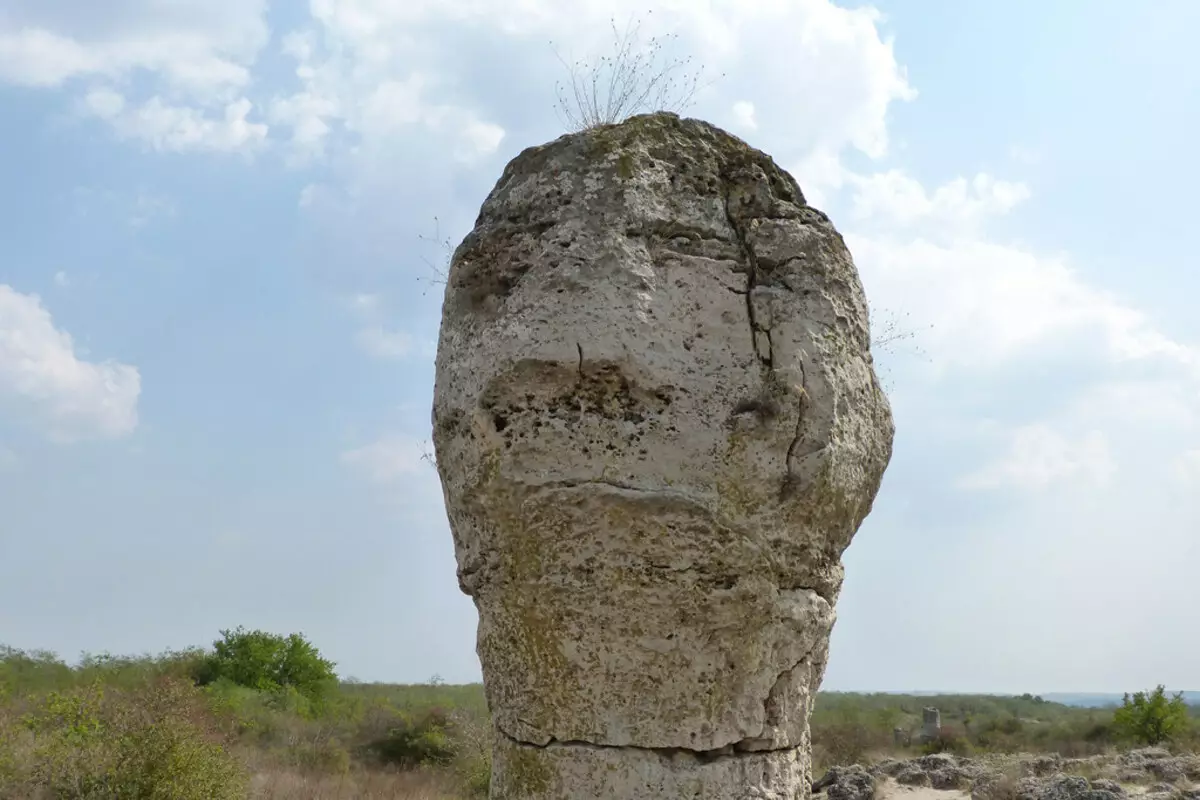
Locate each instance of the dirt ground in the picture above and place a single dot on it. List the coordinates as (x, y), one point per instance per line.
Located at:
(894, 791)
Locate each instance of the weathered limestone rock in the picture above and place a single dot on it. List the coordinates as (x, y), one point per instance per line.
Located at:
(657, 426)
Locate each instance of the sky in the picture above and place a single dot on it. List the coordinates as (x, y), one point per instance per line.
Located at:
(223, 223)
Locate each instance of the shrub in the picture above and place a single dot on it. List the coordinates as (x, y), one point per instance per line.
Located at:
(156, 742)
(14, 742)
(416, 740)
(1005, 785)
(322, 755)
(844, 743)
(472, 763)
(1150, 718)
(948, 740)
(38, 670)
(266, 662)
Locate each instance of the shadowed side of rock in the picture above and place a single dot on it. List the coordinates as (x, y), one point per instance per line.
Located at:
(658, 427)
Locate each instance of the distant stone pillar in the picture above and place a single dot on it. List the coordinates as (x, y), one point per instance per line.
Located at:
(931, 723)
(898, 736)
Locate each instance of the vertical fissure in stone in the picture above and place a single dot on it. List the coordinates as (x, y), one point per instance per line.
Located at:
(791, 480)
(751, 277)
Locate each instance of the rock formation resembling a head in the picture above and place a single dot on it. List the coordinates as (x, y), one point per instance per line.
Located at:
(657, 426)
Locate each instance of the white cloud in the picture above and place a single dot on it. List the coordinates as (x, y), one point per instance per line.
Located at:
(176, 127)
(1020, 154)
(379, 339)
(894, 197)
(202, 48)
(365, 67)
(743, 112)
(61, 280)
(136, 209)
(1186, 469)
(309, 195)
(366, 302)
(1082, 385)
(366, 71)
(392, 459)
(43, 377)
(1170, 402)
(148, 206)
(383, 343)
(990, 303)
(1133, 395)
(198, 57)
(352, 88)
(1039, 456)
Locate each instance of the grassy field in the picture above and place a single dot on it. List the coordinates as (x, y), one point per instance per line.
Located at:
(112, 726)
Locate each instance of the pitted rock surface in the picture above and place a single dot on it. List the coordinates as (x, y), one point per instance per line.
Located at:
(657, 426)
(847, 783)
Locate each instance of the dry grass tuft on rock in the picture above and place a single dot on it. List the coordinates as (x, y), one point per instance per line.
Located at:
(637, 77)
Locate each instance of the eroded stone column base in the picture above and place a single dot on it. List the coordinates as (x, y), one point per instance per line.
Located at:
(588, 772)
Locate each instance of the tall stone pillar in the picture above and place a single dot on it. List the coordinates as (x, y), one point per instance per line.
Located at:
(657, 426)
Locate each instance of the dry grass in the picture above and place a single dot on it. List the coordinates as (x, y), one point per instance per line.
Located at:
(636, 77)
(1005, 785)
(354, 785)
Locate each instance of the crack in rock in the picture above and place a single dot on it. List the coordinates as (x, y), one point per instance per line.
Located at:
(729, 751)
(751, 276)
(791, 480)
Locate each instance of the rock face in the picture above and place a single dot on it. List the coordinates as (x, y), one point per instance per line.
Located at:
(657, 427)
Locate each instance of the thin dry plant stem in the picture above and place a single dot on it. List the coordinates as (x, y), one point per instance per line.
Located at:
(440, 271)
(634, 79)
(891, 333)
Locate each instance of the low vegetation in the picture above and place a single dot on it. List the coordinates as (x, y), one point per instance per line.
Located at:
(258, 715)
(854, 728)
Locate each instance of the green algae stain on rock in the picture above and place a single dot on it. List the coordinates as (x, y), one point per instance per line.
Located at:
(625, 166)
(527, 774)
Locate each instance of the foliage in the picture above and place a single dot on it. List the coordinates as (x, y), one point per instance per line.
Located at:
(155, 742)
(108, 721)
(413, 740)
(949, 739)
(1150, 717)
(287, 666)
(472, 764)
(845, 734)
(57, 719)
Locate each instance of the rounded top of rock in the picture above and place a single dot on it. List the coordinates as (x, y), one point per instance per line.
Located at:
(662, 134)
(657, 175)
(665, 127)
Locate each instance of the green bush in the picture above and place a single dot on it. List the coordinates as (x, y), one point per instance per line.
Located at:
(415, 740)
(1150, 718)
(322, 755)
(13, 741)
(38, 670)
(472, 764)
(158, 742)
(948, 740)
(283, 665)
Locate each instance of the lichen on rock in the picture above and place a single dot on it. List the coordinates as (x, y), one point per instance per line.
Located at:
(658, 426)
